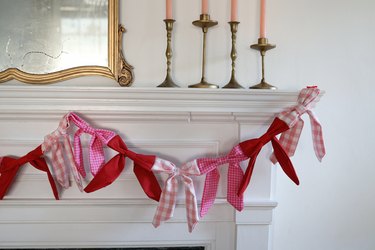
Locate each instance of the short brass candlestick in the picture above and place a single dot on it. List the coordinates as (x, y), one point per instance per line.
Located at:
(233, 84)
(204, 22)
(263, 46)
(168, 82)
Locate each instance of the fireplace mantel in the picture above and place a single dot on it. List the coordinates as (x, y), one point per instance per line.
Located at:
(144, 99)
(177, 124)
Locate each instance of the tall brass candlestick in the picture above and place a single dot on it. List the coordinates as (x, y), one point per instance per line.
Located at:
(262, 46)
(204, 22)
(233, 84)
(168, 82)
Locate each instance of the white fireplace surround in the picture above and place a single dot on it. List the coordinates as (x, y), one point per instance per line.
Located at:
(177, 124)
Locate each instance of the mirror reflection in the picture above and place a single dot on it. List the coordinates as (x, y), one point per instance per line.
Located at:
(45, 36)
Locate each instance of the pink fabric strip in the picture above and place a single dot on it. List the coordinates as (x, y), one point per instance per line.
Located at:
(235, 174)
(307, 99)
(168, 197)
(59, 144)
(99, 138)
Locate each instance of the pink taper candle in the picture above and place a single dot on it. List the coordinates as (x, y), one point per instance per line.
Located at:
(168, 14)
(234, 11)
(204, 6)
(262, 19)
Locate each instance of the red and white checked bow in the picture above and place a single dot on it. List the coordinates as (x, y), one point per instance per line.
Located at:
(307, 99)
(235, 174)
(58, 143)
(99, 138)
(168, 197)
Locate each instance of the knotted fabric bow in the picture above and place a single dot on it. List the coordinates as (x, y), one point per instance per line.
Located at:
(99, 137)
(251, 148)
(113, 168)
(307, 99)
(10, 166)
(209, 166)
(168, 197)
(58, 143)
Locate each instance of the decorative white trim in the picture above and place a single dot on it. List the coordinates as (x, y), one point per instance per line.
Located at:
(214, 232)
(109, 99)
(209, 245)
(256, 213)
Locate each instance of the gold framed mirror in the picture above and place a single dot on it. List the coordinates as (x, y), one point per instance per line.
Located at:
(48, 41)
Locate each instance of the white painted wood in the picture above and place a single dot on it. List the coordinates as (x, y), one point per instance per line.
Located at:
(176, 124)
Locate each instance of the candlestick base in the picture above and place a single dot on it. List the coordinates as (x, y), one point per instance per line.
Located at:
(204, 85)
(168, 83)
(233, 84)
(263, 85)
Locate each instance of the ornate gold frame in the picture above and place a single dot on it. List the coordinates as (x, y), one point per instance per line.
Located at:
(117, 69)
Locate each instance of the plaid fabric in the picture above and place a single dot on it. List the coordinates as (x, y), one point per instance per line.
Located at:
(59, 144)
(307, 99)
(168, 197)
(235, 175)
(99, 138)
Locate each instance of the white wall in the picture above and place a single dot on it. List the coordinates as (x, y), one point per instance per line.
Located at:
(327, 43)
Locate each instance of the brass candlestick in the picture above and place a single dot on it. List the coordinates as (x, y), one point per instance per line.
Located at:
(233, 84)
(263, 46)
(204, 22)
(168, 82)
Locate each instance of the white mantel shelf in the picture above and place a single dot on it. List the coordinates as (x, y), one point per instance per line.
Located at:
(114, 99)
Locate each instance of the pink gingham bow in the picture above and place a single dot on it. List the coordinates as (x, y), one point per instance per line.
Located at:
(235, 175)
(99, 138)
(168, 197)
(307, 99)
(59, 144)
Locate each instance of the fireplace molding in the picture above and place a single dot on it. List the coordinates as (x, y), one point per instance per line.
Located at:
(65, 214)
(151, 121)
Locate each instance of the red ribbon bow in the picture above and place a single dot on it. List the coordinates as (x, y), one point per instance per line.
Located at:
(251, 148)
(113, 168)
(10, 166)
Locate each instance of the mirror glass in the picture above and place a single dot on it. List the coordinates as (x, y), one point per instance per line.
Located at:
(45, 36)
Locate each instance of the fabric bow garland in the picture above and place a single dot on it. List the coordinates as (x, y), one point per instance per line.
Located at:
(209, 166)
(307, 99)
(58, 143)
(113, 168)
(99, 137)
(10, 166)
(168, 197)
(252, 148)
